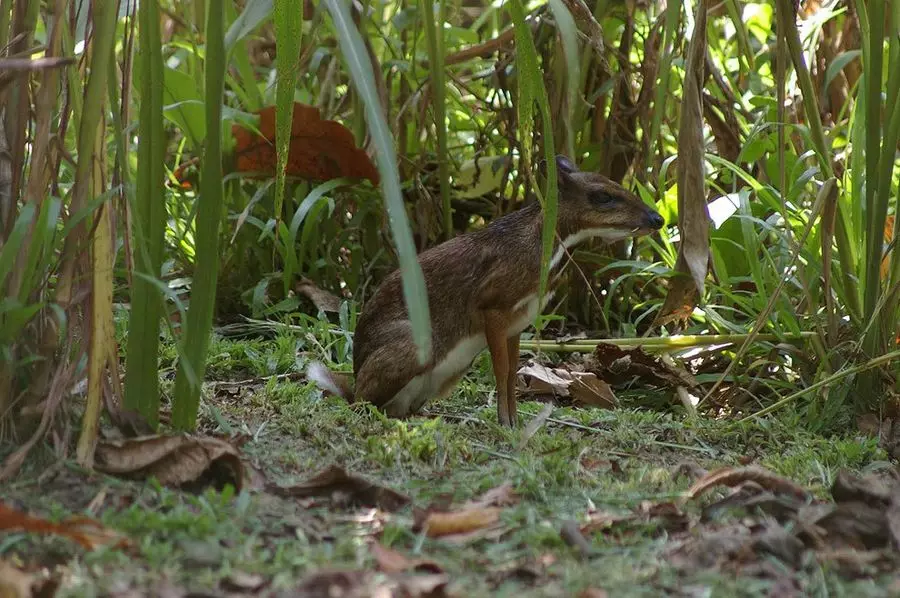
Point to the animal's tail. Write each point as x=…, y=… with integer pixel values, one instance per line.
x=332, y=382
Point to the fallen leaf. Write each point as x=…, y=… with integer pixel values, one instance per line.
x=179, y=460
x=319, y=150
x=341, y=487
x=593, y=593
x=603, y=521
x=391, y=561
x=501, y=496
x=734, y=476
x=363, y=584
x=323, y=300
x=88, y=533
x=583, y=387
x=437, y=524
x=238, y=581
x=618, y=365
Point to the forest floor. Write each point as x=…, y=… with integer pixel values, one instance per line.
x=589, y=503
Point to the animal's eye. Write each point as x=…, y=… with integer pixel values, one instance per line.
x=601, y=197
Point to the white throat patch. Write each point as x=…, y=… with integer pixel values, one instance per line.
x=609, y=235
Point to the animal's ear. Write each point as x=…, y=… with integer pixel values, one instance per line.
x=564, y=166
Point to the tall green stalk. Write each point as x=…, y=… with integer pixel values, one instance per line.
x=876, y=201
x=142, y=371
x=192, y=365
x=434, y=34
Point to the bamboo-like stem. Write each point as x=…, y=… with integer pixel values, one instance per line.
x=664, y=343
x=434, y=34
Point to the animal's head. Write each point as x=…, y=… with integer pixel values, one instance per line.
x=591, y=202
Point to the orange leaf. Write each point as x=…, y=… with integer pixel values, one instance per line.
x=87, y=532
x=319, y=149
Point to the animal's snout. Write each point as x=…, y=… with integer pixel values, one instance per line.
x=655, y=220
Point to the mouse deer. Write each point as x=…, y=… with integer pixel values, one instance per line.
x=482, y=292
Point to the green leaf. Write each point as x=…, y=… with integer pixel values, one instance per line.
x=254, y=13
x=288, y=29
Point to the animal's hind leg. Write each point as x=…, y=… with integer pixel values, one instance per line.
x=392, y=379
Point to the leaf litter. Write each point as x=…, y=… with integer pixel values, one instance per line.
x=733, y=520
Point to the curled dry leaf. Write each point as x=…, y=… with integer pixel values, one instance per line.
x=320, y=150
x=178, y=460
x=88, y=533
x=341, y=487
x=738, y=475
x=585, y=388
x=618, y=366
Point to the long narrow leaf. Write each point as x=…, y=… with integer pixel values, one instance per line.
x=142, y=371
x=361, y=72
x=531, y=90
x=206, y=269
x=288, y=29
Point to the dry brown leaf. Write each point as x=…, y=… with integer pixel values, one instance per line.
x=602, y=521
x=362, y=584
x=88, y=533
x=438, y=524
x=619, y=366
x=176, y=460
x=583, y=387
x=391, y=561
x=593, y=593
x=693, y=215
x=322, y=299
x=339, y=486
x=501, y=496
x=733, y=476
x=239, y=581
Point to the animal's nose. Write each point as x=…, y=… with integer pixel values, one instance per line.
x=656, y=221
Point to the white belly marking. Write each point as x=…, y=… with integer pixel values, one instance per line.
x=425, y=386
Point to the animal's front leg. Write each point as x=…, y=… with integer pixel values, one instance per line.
x=512, y=352
x=495, y=324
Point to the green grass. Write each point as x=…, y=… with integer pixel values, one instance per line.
x=611, y=459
